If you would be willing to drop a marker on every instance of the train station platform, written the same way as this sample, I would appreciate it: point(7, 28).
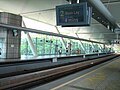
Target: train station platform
point(28, 57)
point(105, 76)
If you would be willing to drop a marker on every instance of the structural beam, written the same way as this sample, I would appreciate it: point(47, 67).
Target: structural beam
point(30, 42)
point(97, 33)
point(32, 47)
point(81, 44)
point(98, 5)
point(61, 38)
point(44, 32)
point(101, 13)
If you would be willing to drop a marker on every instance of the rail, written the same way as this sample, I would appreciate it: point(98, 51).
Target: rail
point(40, 77)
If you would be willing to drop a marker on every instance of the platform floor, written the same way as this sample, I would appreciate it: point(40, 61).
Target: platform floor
point(105, 76)
point(23, 57)
point(35, 57)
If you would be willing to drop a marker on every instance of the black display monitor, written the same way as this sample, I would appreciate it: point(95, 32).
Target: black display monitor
point(73, 15)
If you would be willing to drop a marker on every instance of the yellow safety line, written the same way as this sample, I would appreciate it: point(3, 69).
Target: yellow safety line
point(77, 78)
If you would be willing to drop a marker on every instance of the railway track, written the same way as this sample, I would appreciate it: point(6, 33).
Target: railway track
point(8, 69)
point(24, 81)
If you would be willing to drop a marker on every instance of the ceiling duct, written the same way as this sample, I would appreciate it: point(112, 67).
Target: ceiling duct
point(101, 14)
point(99, 6)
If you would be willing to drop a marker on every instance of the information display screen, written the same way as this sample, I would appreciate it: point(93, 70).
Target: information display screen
point(73, 15)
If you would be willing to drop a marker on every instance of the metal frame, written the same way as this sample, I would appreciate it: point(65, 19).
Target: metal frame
point(45, 32)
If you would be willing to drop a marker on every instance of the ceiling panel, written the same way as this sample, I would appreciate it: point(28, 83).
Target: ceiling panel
point(44, 11)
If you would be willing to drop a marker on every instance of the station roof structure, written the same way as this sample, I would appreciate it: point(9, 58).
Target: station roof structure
point(44, 11)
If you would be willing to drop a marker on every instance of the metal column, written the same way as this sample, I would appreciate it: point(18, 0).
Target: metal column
point(103, 10)
point(81, 44)
point(32, 47)
point(61, 38)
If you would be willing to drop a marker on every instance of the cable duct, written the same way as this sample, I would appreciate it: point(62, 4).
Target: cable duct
point(103, 10)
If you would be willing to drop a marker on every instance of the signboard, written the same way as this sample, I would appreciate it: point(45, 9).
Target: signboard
point(73, 14)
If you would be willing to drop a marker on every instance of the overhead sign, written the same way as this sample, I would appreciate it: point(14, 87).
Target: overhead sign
point(73, 14)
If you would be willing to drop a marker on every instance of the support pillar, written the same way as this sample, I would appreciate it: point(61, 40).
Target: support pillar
point(61, 39)
point(32, 47)
point(29, 39)
point(81, 44)
point(11, 37)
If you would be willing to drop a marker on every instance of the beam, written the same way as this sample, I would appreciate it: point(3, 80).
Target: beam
point(111, 2)
point(61, 38)
point(97, 33)
point(105, 38)
point(45, 32)
point(30, 42)
point(98, 5)
point(102, 14)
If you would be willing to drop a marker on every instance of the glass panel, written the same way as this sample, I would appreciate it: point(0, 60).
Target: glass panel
point(2, 48)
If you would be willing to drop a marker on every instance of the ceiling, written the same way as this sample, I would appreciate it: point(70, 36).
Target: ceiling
point(44, 11)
